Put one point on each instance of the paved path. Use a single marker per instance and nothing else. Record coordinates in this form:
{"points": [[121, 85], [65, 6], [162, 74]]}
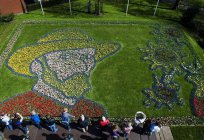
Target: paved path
{"points": [[93, 134]]}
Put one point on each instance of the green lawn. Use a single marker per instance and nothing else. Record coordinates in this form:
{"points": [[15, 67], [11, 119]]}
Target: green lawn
{"points": [[188, 132], [6, 31]]}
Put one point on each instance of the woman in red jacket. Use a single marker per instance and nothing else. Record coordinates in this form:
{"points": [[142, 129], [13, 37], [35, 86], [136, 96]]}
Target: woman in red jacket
{"points": [[104, 123]]}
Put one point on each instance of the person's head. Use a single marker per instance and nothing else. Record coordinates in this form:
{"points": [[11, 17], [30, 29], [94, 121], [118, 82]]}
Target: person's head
{"points": [[115, 127], [129, 124], [47, 116], [33, 112], [2, 114], [103, 118], [157, 123], [16, 116], [82, 117], [65, 110]]}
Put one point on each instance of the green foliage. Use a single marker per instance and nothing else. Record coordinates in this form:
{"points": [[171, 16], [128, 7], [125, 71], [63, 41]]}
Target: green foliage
{"points": [[197, 3], [188, 132], [6, 18]]}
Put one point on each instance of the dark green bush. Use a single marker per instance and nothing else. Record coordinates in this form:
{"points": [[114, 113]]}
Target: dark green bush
{"points": [[6, 18], [188, 16]]}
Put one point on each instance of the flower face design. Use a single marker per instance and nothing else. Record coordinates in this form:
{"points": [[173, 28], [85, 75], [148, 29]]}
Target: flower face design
{"points": [[61, 61]]}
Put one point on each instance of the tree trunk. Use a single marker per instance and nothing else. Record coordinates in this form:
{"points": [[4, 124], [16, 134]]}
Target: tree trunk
{"points": [[98, 7], [175, 7], [128, 1], [70, 7]]}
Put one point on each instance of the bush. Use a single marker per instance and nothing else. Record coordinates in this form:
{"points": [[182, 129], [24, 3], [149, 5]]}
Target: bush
{"points": [[6, 18], [188, 16], [201, 43], [199, 26]]}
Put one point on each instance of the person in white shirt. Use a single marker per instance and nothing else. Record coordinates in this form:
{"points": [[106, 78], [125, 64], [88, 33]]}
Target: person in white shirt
{"points": [[6, 119], [140, 117]]}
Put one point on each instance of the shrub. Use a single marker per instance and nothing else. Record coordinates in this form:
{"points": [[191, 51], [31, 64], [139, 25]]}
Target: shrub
{"points": [[199, 26], [6, 18], [188, 16]]}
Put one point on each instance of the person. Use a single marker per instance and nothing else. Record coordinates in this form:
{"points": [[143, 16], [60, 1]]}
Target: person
{"points": [[18, 123], [127, 129], [104, 123], [83, 123], [50, 122], [146, 127], [115, 132], [35, 119], [140, 117], [66, 118], [155, 126], [5, 118]]}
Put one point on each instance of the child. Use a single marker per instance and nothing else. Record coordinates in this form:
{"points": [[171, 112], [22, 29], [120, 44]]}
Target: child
{"points": [[115, 134], [127, 130]]}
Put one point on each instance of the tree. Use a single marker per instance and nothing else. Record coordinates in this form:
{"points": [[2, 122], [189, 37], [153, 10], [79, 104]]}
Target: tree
{"points": [[191, 12], [70, 7], [128, 2], [98, 7]]}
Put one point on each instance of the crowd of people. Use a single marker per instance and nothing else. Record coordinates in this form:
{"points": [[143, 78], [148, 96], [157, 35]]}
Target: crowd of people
{"points": [[140, 124]]}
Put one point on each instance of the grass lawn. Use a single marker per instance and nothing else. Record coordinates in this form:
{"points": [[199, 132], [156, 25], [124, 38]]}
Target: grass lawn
{"points": [[188, 132], [117, 82], [6, 31]]}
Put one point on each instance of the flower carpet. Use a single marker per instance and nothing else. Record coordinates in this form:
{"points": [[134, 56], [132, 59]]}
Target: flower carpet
{"points": [[64, 66], [61, 62], [171, 53]]}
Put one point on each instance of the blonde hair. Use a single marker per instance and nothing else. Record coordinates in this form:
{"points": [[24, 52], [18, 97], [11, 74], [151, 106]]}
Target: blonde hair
{"points": [[65, 109], [33, 112]]}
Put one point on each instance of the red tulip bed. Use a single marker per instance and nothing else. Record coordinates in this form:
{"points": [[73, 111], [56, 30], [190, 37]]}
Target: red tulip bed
{"points": [[29, 101], [25, 103]]}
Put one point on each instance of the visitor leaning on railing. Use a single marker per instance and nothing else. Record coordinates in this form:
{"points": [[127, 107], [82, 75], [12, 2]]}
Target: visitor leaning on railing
{"points": [[35, 119], [83, 123], [66, 119], [17, 122]]}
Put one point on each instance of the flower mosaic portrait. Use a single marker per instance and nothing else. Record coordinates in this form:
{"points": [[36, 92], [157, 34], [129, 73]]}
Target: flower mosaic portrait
{"points": [[61, 63]]}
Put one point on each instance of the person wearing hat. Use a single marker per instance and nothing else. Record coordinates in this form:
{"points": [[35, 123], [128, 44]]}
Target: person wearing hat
{"points": [[140, 117]]}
